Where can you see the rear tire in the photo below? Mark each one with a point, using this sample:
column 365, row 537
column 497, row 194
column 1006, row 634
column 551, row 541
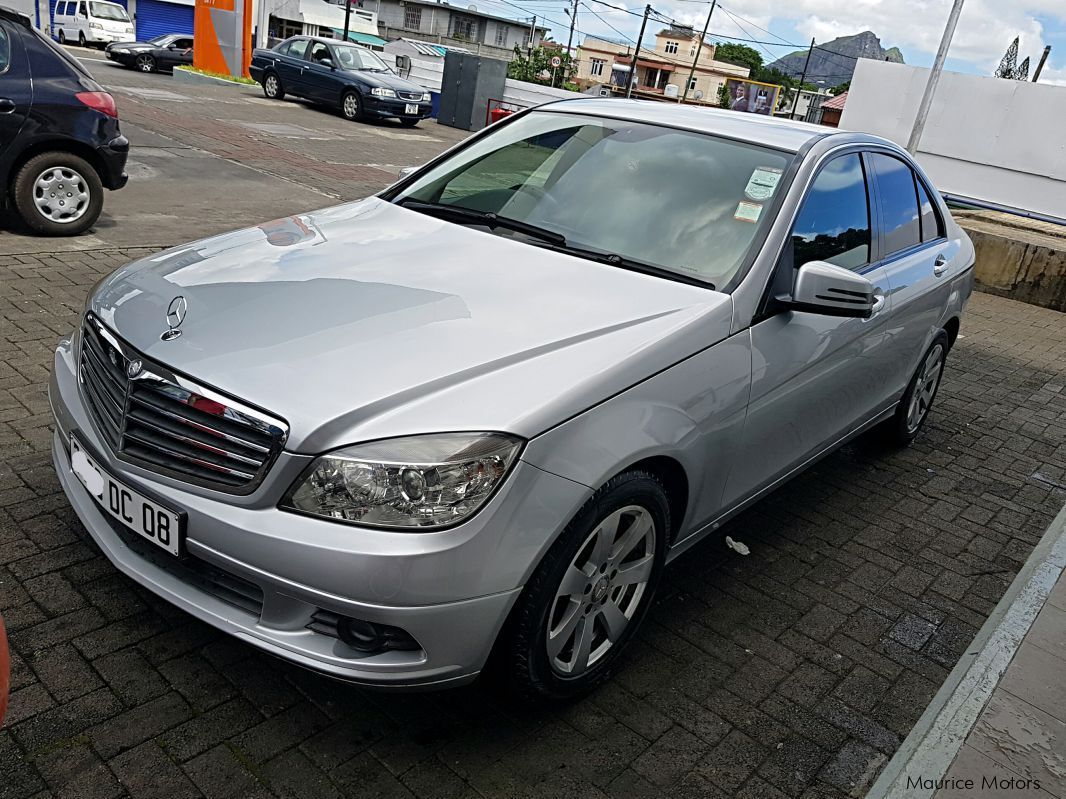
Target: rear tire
column 917, row 401
column 272, row 88
column 58, row 194
column 590, row 593
column 145, row 63
column 62, row 37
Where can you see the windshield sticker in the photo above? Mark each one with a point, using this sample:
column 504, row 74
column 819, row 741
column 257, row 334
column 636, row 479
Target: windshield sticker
column 762, row 183
column 748, row 212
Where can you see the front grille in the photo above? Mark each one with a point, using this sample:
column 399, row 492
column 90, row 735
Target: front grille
column 167, row 423
column 410, row 96
column 200, row 574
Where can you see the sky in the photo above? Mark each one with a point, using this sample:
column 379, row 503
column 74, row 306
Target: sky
column 985, row 30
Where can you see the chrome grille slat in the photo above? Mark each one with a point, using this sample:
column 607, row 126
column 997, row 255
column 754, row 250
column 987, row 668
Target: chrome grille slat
column 170, row 424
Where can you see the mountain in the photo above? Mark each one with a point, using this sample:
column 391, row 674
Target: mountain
column 835, row 63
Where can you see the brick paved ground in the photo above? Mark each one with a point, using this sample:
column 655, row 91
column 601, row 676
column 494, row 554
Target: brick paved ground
column 793, row 672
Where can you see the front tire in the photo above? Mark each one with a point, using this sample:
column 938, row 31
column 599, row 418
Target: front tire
column 62, row 37
column 81, row 39
column 352, row 106
column 409, row 123
column 591, row 591
column 58, row 194
column 145, row 63
column 914, row 407
column 272, row 87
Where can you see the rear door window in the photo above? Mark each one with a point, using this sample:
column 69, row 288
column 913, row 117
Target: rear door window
column 299, row 48
column 5, row 50
column 834, row 222
column 931, row 225
column 901, row 223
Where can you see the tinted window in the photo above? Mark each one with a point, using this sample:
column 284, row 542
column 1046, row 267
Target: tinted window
column 61, row 9
column 930, row 220
column 899, row 203
column 834, row 223
column 687, row 202
column 81, row 9
column 298, row 48
column 183, row 44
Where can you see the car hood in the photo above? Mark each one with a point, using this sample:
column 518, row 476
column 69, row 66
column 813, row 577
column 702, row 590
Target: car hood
column 386, row 80
column 369, row 320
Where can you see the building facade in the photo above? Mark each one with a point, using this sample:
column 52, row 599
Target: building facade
column 661, row 70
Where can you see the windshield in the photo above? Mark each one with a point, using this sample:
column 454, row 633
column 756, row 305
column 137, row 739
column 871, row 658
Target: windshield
column 352, row 56
column 689, row 203
column 163, row 40
column 108, row 11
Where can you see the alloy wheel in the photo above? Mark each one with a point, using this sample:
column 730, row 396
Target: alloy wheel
column 145, row 63
column 350, row 106
column 270, row 85
column 61, row 194
column 925, row 388
column 601, row 590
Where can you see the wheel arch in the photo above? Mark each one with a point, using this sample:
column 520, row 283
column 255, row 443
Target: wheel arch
column 36, row 148
column 669, row 471
column 951, row 327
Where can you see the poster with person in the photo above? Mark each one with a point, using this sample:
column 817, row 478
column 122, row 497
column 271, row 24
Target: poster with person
column 752, row 96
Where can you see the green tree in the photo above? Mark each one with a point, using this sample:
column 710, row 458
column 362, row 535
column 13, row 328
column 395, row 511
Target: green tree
column 840, row 88
column 536, row 67
column 739, row 54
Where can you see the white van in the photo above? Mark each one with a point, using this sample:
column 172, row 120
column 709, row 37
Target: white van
column 91, row 22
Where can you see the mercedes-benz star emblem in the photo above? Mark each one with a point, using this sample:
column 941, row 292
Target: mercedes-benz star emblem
column 133, row 368
column 175, row 316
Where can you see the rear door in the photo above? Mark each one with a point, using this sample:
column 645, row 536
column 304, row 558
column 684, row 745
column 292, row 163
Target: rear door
column 291, row 63
column 815, row 377
column 917, row 259
column 16, row 87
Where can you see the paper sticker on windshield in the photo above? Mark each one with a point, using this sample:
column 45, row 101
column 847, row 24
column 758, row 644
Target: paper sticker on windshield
column 762, row 183
column 748, row 212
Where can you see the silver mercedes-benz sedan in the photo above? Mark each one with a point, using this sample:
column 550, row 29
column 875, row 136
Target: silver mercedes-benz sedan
column 479, row 412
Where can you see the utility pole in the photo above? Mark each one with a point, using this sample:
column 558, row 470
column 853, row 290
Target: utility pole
column 532, row 34
column 699, row 47
column 573, row 22
column 347, row 17
column 803, row 77
column 636, row 53
column 934, row 78
column 1043, row 60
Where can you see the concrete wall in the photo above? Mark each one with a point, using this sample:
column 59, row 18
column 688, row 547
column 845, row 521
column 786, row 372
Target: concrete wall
column 1018, row 258
column 990, row 139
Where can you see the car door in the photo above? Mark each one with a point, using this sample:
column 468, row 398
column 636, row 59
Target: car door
column 319, row 76
column 183, row 50
column 16, row 86
column 917, row 257
column 816, row 377
column 290, row 65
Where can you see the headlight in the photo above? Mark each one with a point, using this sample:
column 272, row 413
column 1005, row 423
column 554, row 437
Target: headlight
column 422, row 482
column 123, row 50
column 378, row 91
column 96, row 25
column 426, row 97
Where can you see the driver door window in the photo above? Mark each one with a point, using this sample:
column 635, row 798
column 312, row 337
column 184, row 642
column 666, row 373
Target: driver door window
column 319, row 53
column 81, row 9
column 834, row 221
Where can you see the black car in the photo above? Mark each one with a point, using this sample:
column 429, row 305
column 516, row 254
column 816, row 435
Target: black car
column 161, row 53
column 339, row 74
column 60, row 144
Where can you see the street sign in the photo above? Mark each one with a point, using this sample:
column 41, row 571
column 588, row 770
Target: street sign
column 556, row 61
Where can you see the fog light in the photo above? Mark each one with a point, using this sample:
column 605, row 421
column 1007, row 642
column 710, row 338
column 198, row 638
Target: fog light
column 366, row 637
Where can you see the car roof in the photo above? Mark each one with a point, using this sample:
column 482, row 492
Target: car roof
column 15, row 16
column 781, row 134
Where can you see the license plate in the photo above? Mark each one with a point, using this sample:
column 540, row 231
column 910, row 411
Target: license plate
column 146, row 518
column 411, row 108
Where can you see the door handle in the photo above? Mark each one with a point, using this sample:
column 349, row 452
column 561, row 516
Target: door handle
column 6, row 105
column 940, row 265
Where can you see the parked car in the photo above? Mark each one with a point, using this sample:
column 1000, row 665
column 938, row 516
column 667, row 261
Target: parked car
column 60, row 144
column 90, row 22
column 345, row 76
column 483, row 409
column 161, row 53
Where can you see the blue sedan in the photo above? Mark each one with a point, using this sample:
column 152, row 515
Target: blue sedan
column 341, row 75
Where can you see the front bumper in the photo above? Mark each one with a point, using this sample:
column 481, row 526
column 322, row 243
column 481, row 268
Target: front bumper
column 450, row 590
column 391, row 107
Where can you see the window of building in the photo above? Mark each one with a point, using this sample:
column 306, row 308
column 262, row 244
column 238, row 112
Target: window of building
column 692, row 49
column 464, row 28
column 899, row 203
column 412, row 17
column 671, row 47
column 834, row 222
column 287, row 28
column 692, row 84
column 596, row 66
column 501, row 35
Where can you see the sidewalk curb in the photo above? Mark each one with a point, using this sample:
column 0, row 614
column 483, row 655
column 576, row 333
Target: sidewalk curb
column 931, row 747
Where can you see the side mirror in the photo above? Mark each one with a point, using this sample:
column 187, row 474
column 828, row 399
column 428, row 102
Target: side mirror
column 833, row 290
column 327, row 62
column 408, row 170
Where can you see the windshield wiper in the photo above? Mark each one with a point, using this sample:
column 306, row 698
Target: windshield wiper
column 486, row 218
column 633, row 265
